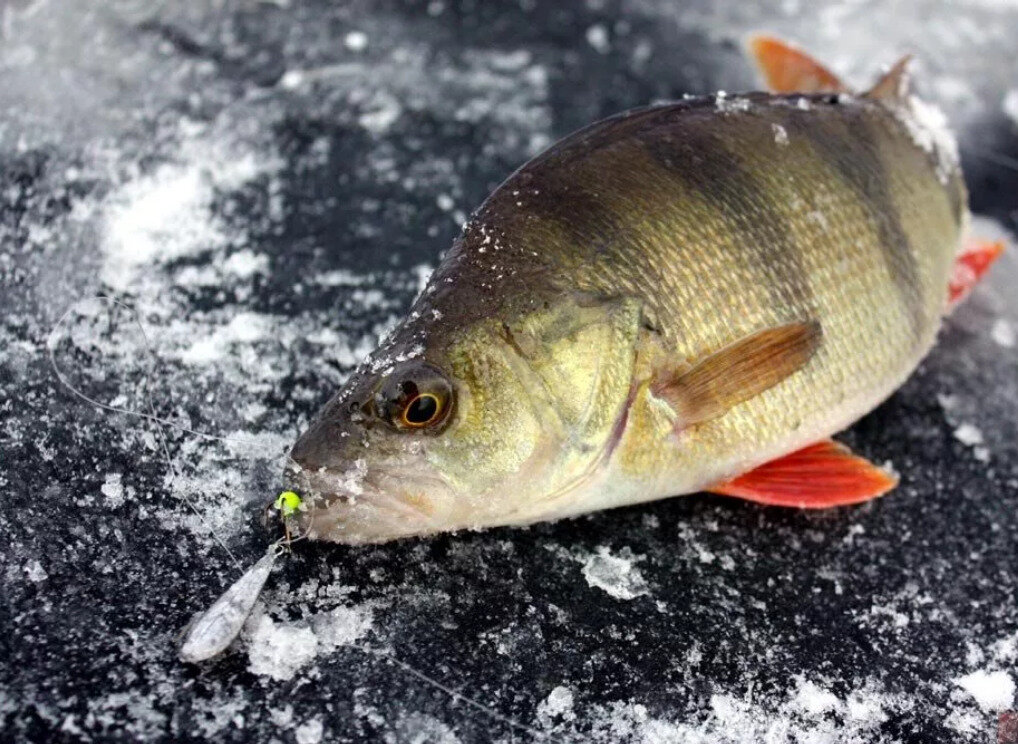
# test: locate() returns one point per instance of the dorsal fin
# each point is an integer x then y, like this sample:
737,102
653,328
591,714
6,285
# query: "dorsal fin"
786,69
895,84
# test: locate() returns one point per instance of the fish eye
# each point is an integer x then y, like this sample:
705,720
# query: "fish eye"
417,396
421,410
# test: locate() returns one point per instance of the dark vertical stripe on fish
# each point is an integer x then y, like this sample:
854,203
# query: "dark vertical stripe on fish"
710,165
851,148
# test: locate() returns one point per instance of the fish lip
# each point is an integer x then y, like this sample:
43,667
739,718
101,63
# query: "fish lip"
377,508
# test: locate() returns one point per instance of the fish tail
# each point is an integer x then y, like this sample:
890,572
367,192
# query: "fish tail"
972,263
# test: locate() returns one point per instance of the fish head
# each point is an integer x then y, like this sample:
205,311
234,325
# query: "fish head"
497,423
362,467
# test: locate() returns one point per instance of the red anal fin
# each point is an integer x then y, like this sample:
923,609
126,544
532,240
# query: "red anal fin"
816,477
786,69
975,260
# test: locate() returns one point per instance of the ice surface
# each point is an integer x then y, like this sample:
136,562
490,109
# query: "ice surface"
269,186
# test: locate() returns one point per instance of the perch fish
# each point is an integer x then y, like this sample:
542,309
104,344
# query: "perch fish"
681,298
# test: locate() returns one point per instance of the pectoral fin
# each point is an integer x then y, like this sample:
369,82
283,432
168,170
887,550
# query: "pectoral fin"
740,371
817,477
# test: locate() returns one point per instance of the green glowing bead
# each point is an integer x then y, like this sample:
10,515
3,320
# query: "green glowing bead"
288,502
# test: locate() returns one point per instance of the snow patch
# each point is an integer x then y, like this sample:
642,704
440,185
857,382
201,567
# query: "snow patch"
616,575
992,691
243,328
168,213
725,105
280,649
807,713
929,129
815,700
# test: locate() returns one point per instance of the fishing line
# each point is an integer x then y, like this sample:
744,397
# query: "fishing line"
151,416
451,692
159,422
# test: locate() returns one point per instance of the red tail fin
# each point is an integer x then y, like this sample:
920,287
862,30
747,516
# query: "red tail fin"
975,260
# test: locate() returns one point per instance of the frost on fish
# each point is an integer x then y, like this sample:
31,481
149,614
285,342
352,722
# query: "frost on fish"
930,130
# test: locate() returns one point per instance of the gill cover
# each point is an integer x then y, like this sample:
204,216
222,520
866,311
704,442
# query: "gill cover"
543,393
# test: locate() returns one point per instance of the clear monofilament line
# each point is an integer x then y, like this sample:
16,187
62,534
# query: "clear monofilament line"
151,415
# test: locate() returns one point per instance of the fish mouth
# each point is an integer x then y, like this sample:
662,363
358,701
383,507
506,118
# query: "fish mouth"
357,507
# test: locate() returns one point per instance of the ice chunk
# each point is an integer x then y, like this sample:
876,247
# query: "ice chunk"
993,691
616,575
968,434
310,732
356,41
597,37
279,650
558,705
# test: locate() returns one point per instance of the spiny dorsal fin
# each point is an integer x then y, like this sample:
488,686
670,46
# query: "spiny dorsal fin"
786,69
895,84
740,371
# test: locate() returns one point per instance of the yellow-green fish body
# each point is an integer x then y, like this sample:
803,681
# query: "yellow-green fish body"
656,305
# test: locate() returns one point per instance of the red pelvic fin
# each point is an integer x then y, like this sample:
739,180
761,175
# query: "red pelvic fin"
975,260
786,69
819,476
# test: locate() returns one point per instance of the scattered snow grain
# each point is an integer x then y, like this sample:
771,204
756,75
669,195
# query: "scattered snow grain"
1003,333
